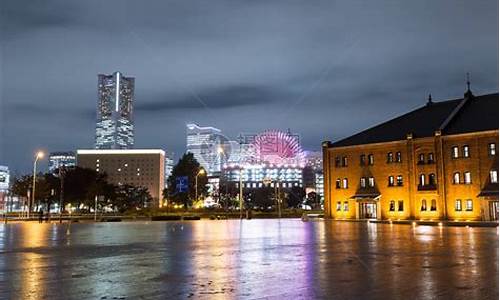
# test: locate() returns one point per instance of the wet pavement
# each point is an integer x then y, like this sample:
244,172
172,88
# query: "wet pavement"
255,259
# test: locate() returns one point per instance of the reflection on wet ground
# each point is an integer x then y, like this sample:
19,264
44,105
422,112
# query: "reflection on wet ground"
253,259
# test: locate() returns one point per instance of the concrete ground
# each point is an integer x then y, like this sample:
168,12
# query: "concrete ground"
251,259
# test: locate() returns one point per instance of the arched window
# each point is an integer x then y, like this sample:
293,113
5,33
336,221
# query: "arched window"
398,157
345,183
422,180
467,178
465,151
371,181
456,178
424,205
371,160
390,181
344,161
433,205
390,157
432,179
337,183
362,182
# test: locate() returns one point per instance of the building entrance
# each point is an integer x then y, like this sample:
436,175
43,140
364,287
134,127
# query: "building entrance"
368,210
494,210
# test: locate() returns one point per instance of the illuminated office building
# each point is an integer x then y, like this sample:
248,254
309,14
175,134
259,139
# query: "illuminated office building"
203,143
115,126
137,167
59,159
272,155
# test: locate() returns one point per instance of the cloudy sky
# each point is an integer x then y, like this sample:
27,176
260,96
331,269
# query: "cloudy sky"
323,68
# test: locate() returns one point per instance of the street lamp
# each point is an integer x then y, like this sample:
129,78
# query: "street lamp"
38,156
200,172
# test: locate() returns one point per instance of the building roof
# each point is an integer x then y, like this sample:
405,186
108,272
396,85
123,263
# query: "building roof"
120,151
468,114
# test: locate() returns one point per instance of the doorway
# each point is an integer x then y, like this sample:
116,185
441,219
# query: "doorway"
493,210
368,210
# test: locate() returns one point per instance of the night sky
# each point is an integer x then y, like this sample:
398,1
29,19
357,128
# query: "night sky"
325,69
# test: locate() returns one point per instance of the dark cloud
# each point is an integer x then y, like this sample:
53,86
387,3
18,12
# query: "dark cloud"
325,68
216,98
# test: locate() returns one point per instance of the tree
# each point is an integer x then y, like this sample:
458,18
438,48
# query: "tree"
295,196
187,166
129,197
81,185
313,200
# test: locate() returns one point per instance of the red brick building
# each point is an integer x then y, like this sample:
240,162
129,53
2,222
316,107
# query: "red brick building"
439,161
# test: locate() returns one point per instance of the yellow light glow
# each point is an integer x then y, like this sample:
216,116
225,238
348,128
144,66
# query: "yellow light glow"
201,172
39,154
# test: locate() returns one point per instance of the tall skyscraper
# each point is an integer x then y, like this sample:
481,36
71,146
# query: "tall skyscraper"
203,143
115,126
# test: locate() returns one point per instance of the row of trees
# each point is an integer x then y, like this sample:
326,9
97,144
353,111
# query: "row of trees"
80,187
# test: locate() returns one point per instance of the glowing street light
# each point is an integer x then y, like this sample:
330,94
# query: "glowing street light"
39,155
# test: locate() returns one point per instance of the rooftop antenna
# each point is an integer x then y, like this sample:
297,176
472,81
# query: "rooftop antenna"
429,100
468,81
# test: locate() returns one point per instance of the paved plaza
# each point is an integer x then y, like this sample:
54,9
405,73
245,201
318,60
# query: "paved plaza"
250,259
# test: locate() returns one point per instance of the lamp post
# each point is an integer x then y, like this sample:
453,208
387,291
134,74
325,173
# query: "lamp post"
241,193
38,156
220,151
200,172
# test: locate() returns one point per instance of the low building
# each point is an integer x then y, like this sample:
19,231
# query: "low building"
137,167
439,161
60,159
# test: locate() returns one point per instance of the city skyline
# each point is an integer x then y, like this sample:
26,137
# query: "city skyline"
316,80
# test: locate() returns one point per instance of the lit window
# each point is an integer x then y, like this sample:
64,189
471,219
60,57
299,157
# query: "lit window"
433,205
467,178
390,157
430,158
337,183
493,176
421,158
339,206
424,205
400,205
454,152
468,205
371,182
344,183
458,205
391,181
466,151
392,205
346,206
399,180
456,178
371,160
492,149
398,157
362,182
422,180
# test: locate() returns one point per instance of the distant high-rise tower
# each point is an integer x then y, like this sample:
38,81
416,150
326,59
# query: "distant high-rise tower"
204,142
115,126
